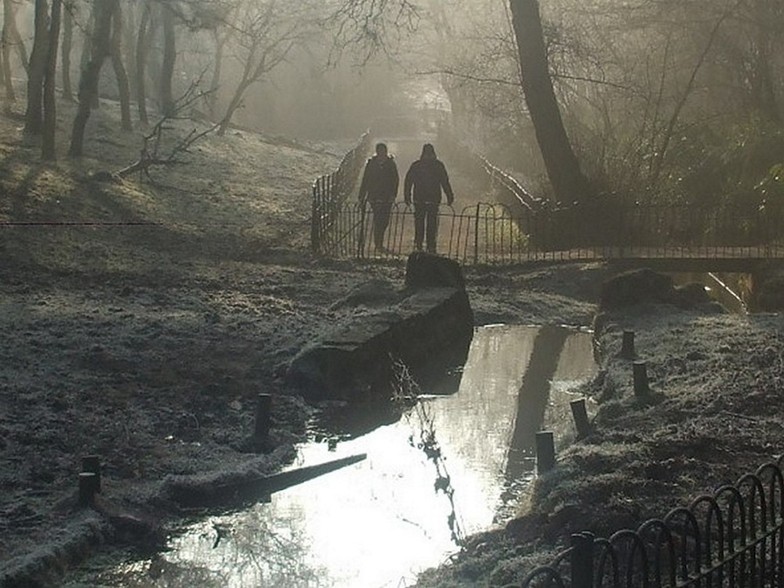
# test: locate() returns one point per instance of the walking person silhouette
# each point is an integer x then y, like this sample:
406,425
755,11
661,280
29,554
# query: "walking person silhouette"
380,182
426,178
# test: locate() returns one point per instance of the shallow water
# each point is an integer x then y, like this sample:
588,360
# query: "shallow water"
451,466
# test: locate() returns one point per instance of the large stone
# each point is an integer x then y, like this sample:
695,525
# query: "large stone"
768,291
645,285
426,270
427,330
634,287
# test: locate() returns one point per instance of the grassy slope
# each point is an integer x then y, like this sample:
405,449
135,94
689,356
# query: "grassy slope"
148,344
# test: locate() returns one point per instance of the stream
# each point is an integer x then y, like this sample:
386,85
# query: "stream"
450,467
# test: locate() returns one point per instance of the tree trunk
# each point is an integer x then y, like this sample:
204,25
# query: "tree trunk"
129,44
48,151
68,9
10,95
100,47
35,78
11,32
212,98
142,47
169,58
119,69
563,170
87,48
233,106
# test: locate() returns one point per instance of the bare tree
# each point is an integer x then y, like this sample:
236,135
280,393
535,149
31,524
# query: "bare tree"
142,51
220,38
69,8
264,33
37,71
563,169
369,27
119,68
169,56
221,33
48,151
100,48
11,39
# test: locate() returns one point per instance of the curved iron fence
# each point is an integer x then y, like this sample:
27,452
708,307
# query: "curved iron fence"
731,538
331,191
498,234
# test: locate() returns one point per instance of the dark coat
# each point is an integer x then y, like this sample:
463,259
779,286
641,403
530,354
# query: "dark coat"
380,180
427,177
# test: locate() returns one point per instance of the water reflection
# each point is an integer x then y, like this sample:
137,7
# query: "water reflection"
380,522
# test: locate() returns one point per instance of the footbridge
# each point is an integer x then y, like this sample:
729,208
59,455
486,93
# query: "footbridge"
507,225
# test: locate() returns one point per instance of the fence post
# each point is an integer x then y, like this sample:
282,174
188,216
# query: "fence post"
315,212
88,486
640,373
476,237
545,451
627,347
92,464
263,418
580,415
582,560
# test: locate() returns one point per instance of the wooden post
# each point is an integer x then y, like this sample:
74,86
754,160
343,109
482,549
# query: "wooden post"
263,417
92,464
545,451
641,387
627,348
580,415
582,560
87,488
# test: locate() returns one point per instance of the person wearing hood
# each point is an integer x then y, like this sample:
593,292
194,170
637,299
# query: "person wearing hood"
426,178
379,186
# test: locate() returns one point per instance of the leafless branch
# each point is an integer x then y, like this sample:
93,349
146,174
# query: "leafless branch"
152,153
368,25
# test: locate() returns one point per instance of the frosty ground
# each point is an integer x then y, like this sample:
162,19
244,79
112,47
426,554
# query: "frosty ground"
147,345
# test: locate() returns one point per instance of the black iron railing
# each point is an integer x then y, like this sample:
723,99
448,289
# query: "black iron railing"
499,234
331,191
731,538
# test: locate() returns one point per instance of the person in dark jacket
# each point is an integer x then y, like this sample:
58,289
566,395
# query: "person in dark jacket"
379,186
426,178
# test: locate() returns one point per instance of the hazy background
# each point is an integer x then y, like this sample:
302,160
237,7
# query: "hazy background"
661,100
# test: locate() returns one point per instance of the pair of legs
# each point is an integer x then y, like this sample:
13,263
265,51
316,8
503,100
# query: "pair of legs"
425,225
381,213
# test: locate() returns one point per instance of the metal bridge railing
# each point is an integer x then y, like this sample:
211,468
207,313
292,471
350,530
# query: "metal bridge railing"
498,234
731,538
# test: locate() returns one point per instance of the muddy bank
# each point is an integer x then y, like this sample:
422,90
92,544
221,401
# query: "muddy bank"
180,407
713,415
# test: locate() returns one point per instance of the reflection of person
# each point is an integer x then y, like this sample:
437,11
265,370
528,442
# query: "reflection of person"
427,177
379,187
